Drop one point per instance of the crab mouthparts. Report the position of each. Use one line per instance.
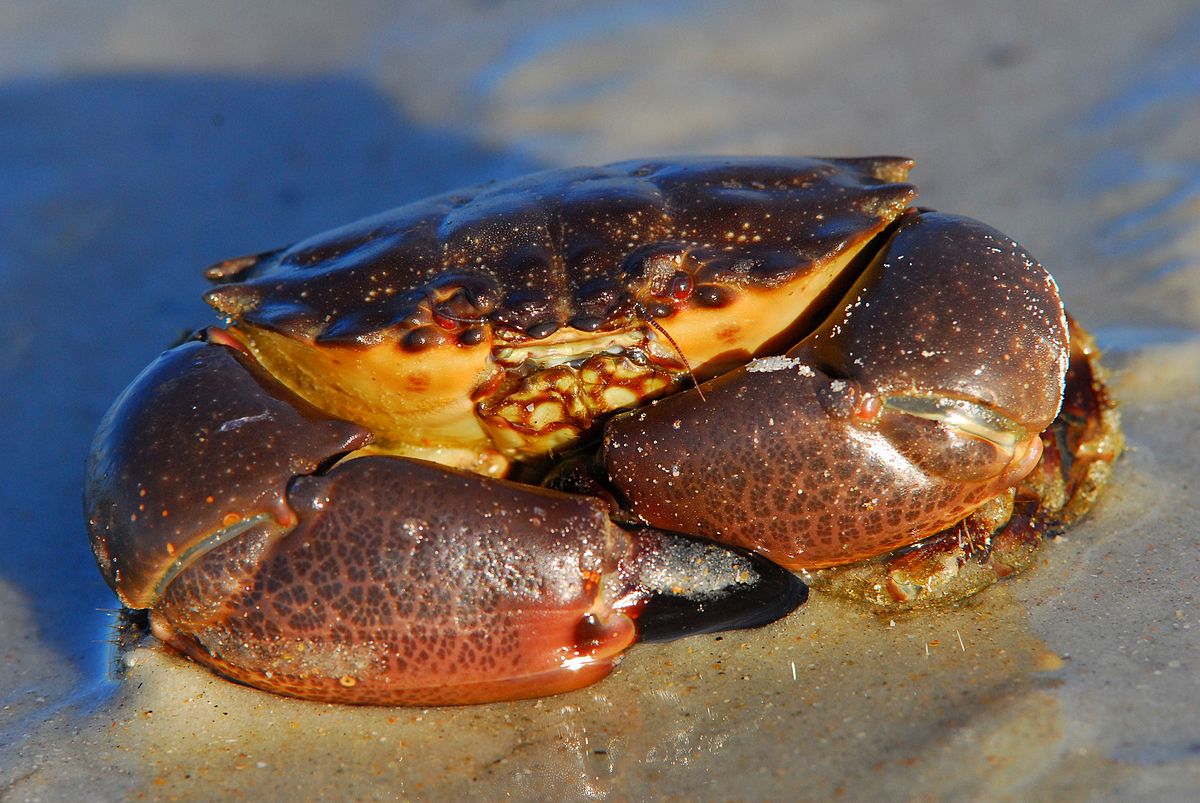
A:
(550, 394)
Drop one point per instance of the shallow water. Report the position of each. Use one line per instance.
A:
(142, 141)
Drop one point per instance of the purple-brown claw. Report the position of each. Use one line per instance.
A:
(200, 446)
(527, 592)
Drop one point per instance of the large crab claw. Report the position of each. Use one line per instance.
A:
(920, 398)
(221, 501)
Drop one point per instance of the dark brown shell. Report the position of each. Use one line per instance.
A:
(569, 247)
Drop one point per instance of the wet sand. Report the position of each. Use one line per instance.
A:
(142, 141)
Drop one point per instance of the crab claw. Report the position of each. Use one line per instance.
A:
(267, 548)
(198, 448)
(921, 397)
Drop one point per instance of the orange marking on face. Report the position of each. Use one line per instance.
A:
(416, 383)
(729, 334)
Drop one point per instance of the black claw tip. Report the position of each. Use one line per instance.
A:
(695, 586)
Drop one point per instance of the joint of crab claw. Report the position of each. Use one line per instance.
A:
(600, 636)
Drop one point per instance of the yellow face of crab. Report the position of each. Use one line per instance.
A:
(482, 406)
(504, 322)
(416, 404)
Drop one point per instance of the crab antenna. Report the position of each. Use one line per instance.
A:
(650, 320)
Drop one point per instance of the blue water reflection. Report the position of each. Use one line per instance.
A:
(117, 190)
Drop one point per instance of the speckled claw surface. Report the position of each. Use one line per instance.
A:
(336, 495)
(1006, 534)
(528, 592)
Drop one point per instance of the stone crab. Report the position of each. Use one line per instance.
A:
(471, 448)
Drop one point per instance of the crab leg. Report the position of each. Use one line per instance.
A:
(918, 399)
(266, 548)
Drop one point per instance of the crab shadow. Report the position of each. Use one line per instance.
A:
(118, 190)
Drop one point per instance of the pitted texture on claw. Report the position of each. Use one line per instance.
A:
(408, 583)
(783, 479)
(353, 605)
(566, 247)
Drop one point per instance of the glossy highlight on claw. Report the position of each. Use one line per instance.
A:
(474, 448)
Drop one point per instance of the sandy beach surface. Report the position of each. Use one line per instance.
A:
(141, 141)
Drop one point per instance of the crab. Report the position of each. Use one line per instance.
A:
(473, 448)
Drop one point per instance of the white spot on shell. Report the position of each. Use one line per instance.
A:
(765, 365)
(229, 426)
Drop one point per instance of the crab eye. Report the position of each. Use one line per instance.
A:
(712, 295)
(471, 337)
(681, 286)
(443, 319)
(422, 338)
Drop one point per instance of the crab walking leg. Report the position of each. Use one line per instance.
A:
(921, 397)
(383, 579)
